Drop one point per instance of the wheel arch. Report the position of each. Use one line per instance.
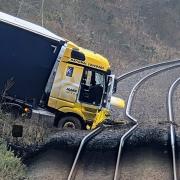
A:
(69, 112)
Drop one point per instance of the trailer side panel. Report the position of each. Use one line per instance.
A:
(28, 58)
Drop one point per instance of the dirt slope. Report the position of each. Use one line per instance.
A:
(130, 33)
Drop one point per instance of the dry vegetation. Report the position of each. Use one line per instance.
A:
(11, 167)
(131, 33)
(35, 131)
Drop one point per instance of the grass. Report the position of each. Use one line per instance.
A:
(33, 131)
(11, 167)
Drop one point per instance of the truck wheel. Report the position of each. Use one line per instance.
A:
(69, 122)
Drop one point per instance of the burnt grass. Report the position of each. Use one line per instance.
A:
(108, 139)
(38, 136)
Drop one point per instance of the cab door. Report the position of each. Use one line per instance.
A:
(67, 82)
(91, 92)
(110, 86)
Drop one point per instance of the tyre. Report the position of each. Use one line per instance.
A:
(69, 122)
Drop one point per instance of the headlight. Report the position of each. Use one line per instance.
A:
(118, 102)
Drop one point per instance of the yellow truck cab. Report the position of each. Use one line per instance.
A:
(82, 88)
(44, 74)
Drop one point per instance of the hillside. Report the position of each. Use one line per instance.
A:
(131, 33)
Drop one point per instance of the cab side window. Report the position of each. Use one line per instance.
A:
(92, 86)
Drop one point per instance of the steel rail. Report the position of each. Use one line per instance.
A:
(84, 140)
(126, 75)
(128, 109)
(172, 129)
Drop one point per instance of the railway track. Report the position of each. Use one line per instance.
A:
(176, 123)
(172, 127)
(84, 140)
(128, 114)
(161, 162)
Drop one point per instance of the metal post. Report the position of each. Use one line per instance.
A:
(42, 13)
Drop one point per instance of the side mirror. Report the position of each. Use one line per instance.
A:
(115, 86)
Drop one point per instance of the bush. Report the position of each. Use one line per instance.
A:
(11, 167)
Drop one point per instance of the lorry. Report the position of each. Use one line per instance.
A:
(42, 73)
